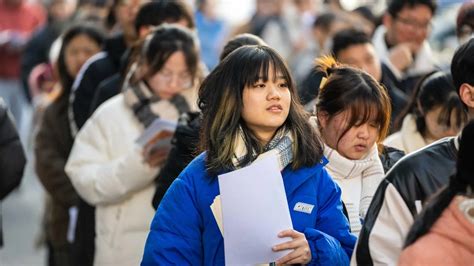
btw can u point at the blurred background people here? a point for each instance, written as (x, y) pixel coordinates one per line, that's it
(12, 158)
(60, 15)
(107, 169)
(435, 111)
(353, 47)
(401, 41)
(212, 31)
(18, 20)
(465, 22)
(54, 141)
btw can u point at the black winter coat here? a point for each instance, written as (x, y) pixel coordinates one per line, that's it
(12, 157)
(185, 145)
(406, 187)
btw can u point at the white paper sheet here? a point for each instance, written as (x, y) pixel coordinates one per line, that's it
(254, 211)
(154, 129)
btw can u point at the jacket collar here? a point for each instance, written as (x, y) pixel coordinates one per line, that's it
(341, 167)
(293, 179)
(411, 137)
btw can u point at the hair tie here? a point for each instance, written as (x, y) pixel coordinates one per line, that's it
(323, 82)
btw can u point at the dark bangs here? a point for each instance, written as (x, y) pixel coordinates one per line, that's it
(452, 104)
(358, 93)
(258, 64)
(368, 106)
(165, 41)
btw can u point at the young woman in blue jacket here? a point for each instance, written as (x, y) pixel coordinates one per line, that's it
(250, 108)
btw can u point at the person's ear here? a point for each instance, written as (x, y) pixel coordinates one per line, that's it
(466, 93)
(323, 118)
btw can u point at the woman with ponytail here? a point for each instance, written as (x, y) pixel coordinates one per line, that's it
(443, 233)
(353, 116)
(434, 112)
(250, 109)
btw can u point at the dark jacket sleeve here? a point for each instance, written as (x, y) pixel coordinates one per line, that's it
(51, 157)
(12, 156)
(106, 90)
(83, 93)
(185, 144)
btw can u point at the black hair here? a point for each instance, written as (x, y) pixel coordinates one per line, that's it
(458, 184)
(110, 19)
(238, 41)
(158, 12)
(352, 89)
(324, 21)
(465, 18)
(65, 79)
(220, 99)
(163, 42)
(462, 65)
(433, 90)
(395, 6)
(346, 38)
(367, 13)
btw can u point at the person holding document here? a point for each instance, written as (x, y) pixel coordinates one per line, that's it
(107, 167)
(250, 109)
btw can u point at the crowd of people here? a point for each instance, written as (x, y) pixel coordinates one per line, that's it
(367, 126)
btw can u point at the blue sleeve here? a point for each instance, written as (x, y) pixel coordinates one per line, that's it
(331, 242)
(175, 235)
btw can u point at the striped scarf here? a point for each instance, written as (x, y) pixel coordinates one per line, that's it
(147, 106)
(281, 145)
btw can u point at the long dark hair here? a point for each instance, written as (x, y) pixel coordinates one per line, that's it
(354, 90)
(458, 184)
(220, 99)
(434, 90)
(65, 79)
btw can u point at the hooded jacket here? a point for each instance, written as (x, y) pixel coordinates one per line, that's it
(450, 241)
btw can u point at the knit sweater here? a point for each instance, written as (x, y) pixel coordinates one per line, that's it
(358, 180)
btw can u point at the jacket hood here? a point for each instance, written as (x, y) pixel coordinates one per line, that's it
(454, 218)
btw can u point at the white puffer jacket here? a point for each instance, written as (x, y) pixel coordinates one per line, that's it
(107, 170)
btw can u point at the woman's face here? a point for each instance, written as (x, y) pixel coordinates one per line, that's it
(78, 50)
(266, 105)
(173, 78)
(436, 130)
(357, 141)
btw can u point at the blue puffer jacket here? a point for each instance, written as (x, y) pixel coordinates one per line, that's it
(184, 231)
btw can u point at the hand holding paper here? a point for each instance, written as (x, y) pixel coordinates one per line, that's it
(254, 211)
(301, 253)
(156, 141)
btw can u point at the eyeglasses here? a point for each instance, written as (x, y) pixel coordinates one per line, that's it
(184, 79)
(415, 25)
